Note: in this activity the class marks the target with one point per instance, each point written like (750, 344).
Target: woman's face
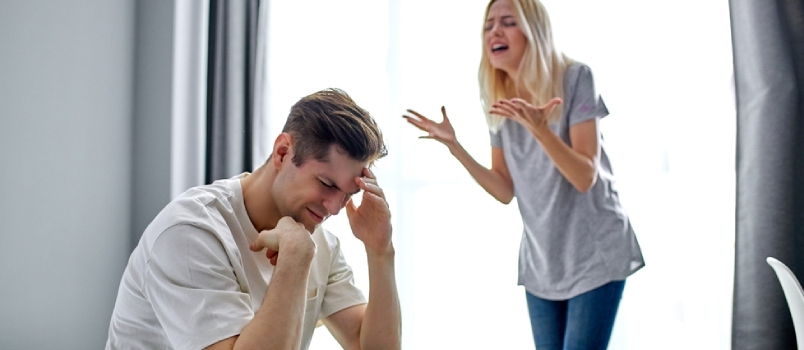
(504, 41)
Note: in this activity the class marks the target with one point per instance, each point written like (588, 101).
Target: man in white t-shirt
(243, 263)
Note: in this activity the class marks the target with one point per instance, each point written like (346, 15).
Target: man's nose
(335, 202)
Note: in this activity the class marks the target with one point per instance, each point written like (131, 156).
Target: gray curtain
(230, 87)
(768, 42)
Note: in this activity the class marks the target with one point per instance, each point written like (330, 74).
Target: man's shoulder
(199, 208)
(200, 202)
(204, 195)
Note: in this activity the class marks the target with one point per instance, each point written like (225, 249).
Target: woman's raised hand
(531, 117)
(441, 132)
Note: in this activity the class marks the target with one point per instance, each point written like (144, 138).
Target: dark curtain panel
(768, 41)
(230, 87)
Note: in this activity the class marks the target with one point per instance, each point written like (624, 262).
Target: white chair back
(794, 295)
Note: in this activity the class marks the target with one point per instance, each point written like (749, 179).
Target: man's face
(316, 190)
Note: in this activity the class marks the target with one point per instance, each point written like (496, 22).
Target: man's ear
(283, 149)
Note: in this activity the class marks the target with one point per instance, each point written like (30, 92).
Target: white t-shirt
(192, 280)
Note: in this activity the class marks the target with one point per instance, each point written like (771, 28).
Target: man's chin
(308, 224)
(310, 227)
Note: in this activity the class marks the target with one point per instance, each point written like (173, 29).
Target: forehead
(500, 7)
(338, 166)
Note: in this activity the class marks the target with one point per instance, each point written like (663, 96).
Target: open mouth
(497, 48)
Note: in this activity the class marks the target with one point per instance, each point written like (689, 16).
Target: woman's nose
(495, 29)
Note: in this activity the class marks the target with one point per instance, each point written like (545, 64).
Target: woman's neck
(521, 92)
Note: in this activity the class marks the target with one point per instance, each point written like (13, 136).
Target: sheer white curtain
(664, 71)
(188, 110)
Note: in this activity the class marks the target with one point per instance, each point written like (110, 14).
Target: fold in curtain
(768, 43)
(263, 143)
(230, 87)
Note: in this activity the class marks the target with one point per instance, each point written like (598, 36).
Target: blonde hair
(541, 69)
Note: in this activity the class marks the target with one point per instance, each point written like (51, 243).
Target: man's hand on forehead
(371, 220)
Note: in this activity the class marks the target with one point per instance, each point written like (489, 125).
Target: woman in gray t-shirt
(543, 112)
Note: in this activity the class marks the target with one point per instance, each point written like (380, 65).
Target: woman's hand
(531, 117)
(441, 132)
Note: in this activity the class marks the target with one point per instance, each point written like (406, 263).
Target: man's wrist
(387, 252)
(299, 246)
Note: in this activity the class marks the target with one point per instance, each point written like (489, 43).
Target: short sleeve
(496, 138)
(191, 285)
(586, 103)
(341, 290)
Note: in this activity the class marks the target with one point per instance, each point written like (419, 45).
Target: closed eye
(327, 185)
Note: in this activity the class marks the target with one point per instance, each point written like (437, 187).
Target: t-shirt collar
(239, 206)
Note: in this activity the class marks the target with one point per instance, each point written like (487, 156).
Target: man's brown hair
(330, 117)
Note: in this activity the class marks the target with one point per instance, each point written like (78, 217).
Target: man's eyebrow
(335, 186)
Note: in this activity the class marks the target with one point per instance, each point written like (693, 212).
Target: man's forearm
(382, 322)
(278, 322)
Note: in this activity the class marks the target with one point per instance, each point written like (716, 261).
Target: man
(233, 265)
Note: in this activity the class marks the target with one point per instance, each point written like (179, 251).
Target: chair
(794, 295)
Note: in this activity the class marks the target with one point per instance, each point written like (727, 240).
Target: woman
(542, 111)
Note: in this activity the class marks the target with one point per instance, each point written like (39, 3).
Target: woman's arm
(577, 162)
(496, 181)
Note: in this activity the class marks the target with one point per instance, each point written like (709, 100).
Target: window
(665, 75)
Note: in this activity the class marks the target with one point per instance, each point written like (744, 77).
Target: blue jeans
(581, 323)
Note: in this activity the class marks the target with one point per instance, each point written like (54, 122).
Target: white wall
(84, 127)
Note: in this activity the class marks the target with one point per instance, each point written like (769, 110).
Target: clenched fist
(288, 237)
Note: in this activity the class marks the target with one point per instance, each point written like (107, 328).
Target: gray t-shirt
(572, 242)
